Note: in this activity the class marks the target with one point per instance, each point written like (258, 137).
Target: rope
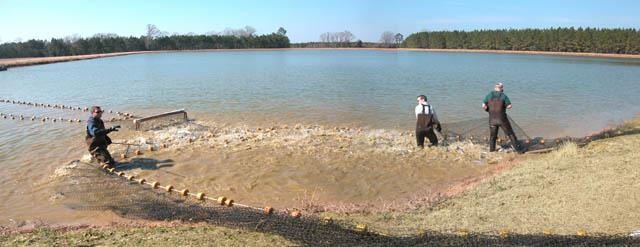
(126, 115)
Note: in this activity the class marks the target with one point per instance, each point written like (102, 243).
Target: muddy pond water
(300, 128)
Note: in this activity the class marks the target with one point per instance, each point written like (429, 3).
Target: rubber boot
(492, 144)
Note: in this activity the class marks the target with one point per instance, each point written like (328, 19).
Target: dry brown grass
(595, 188)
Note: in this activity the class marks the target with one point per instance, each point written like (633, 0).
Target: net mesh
(88, 188)
(477, 130)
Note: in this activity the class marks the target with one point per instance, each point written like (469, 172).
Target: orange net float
(138, 152)
(164, 145)
(327, 220)
(155, 185)
(184, 192)
(169, 188)
(121, 174)
(504, 233)
(104, 166)
(221, 200)
(542, 141)
(53, 120)
(123, 156)
(228, 202)
(362, 227)
(200, 196)
(33, 118)
(582, 233)
(150, 148)
(142, 181)
(527, 141)
(267, 210)
(296, 214)
(131, 177)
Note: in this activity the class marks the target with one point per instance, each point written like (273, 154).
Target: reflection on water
(234, 93)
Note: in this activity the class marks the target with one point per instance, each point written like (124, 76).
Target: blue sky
(304, 20)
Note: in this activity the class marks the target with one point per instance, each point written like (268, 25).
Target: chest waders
(424, 127)
(498, 119)
(98, 144)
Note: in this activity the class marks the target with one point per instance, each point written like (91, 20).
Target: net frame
(180, 113)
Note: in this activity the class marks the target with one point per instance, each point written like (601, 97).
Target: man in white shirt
(426, 119)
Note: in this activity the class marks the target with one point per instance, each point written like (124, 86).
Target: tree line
(596, 40)
(153, 40)
(346, 40)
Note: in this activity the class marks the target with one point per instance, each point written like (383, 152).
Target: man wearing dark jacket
(497, 103)
(97, 138)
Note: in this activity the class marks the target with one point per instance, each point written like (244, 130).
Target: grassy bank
(594, 190)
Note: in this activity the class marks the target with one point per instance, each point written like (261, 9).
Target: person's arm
(94, 130)
(418, 110)
(507, 102)
(435, 119)
(485, 101)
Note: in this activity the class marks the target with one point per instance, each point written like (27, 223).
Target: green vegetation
(154, 40)
(617, 41)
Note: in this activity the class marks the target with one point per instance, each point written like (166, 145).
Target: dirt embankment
(17, 62)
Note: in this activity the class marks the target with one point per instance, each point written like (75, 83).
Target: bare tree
(72, 38)
(399, 37)
(337, 37)
(387, 38)
(281, 31)
(152, 33)
(249, 31)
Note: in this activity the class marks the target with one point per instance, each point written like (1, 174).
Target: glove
(439, 128)
(114, 128)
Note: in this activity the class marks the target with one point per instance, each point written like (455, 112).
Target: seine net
(86, 187)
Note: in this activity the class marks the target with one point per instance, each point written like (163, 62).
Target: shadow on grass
(131, 200)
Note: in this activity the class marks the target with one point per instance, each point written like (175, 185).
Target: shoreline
(29, 61)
